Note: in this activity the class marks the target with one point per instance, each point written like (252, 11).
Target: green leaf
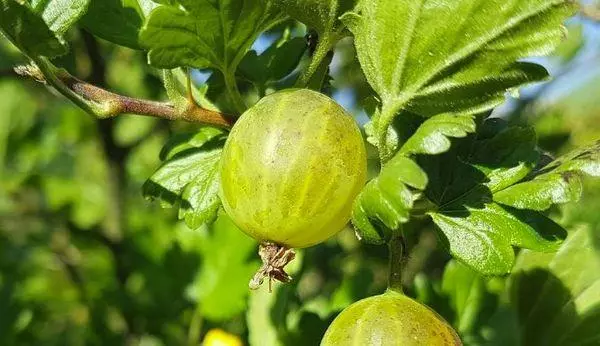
(558, 183)
(464, 185)
(275, 63)
(507, 157)
(432, 137)
(466, 290)
(432, 57)
(60, 14)
(557, 296)
(482, 236)
(221, 287)
(262, 328)
(386, 201)
(26, 30)
(205, 34)
(118, 21)
(189, 177)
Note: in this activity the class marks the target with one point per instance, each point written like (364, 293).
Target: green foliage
(275, 63)
(557, 183)
(28, 31)
(118, 21)
(221, 287)
(188, 178)
(84, 260)
(60, 14)
(566, 309)
(460, 56)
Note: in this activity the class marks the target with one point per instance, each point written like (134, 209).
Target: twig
(591, 12)
(105, 104)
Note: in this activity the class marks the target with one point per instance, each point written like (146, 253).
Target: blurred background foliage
(85, 260)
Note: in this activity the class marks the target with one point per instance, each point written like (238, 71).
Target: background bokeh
(86, 260)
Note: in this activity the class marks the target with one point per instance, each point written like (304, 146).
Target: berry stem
(396, 250)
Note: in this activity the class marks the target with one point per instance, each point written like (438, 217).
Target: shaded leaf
(28, 31)
(275, 63)
(205, 34)
(506, 157)
(557, 296)
(221, 287)
(386, 201)
(463, 186)
(118, 21)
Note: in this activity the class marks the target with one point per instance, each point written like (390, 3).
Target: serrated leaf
(386, 201)
(542, 192)
(201, 198)
(558, 183)
(432, 137)
(28, 31)
(507, 157)
(189, 177)
(275, 63)
(565, 309)
(464, 185)
(456, 55)
(60, 14)
(118, 21)
(205, 34)
(487, 252)
(494, 230)
(191, 140)
(221, 287)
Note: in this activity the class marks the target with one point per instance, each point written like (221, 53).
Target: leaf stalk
(396, 252)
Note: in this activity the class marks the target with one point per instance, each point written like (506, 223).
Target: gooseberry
(390, 319)
(291, 168)
(219, 337)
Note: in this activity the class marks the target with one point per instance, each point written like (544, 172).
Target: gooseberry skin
(390, 319)
(291, 168)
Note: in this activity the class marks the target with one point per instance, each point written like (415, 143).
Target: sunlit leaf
(60, 14)
(557, 183)
(432, 57)
(189, 177)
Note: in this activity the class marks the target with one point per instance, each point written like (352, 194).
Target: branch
(591, 12)
(105, 104)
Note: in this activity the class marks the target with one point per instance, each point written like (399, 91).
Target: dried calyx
(274, 257)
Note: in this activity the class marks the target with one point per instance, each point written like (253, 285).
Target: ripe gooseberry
(390, 319)
(291, 168)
